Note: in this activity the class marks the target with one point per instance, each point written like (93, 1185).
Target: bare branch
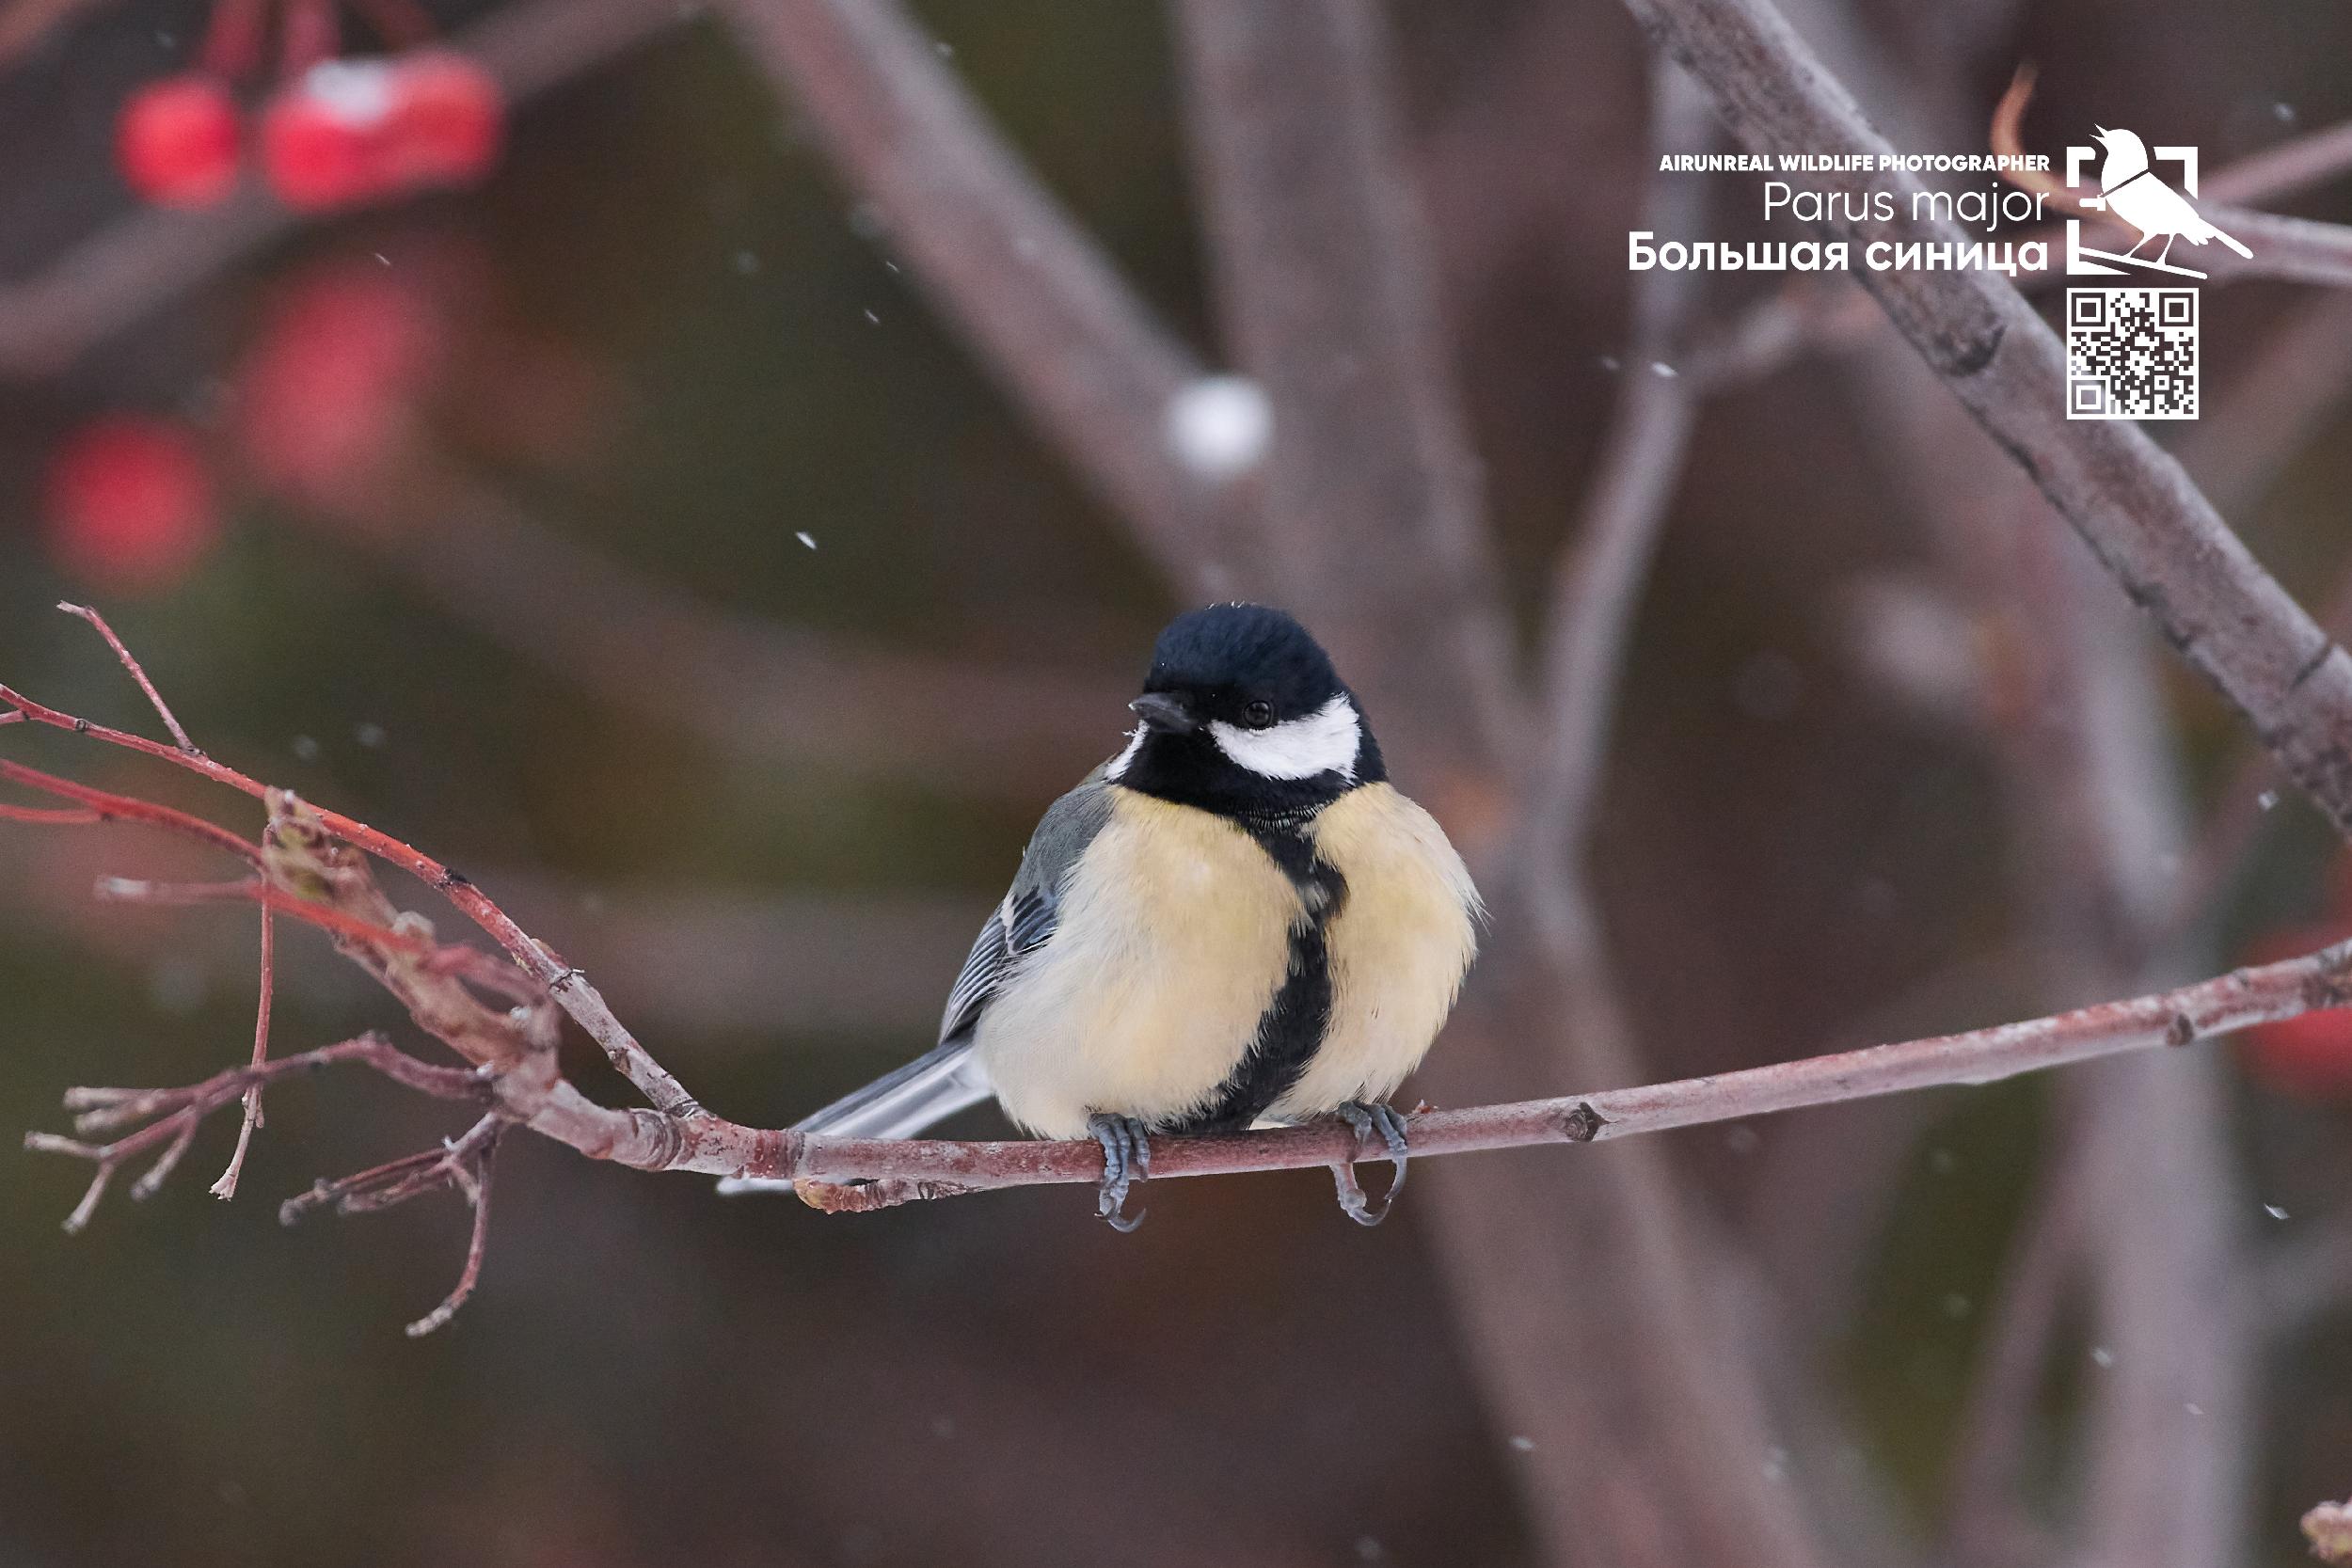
(463, 1165)
(1985, 1512)
(46, 817)
(2127, 497)
(710, 1146)
(128, 890)
(513, 1072)
(161, 709)
(1048, 315)
(1597, 582)
(226, 1187)
(167, 1118)
(97, 805)
(1325, 283)
(568, 986)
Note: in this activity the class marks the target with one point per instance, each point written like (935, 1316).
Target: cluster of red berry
(131, 501)
(335, 133)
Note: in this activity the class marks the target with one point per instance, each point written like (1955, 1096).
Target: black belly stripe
(1291, 1030)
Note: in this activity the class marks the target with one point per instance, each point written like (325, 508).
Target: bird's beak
(2099, 135)
(1166, 714)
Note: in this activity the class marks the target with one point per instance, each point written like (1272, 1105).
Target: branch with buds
(498, 1013)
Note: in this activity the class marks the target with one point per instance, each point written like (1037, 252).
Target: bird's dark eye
(1258, 715)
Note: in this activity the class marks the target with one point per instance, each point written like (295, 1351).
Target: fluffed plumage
(1236, 918)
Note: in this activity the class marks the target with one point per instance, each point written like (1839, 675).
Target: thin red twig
(171, 1117)
(461, 1165)
(472, 1179)
(129, 889)
(568, 986)
(163, 708)
(100, 806)
(43, 816)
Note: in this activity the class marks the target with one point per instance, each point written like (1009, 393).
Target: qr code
(2131, 353)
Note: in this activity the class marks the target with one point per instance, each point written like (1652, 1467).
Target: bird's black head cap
(1244, 715)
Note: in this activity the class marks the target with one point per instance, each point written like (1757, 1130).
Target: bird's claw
(1127, 1160)
(1364, 1117)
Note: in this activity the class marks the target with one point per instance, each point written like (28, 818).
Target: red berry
(176, 141)
(326, 393)
(321, 137)
(447, 122)
(353, 131)
(129, 504)
(2309, 1056)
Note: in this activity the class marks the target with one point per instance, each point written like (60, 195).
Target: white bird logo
(2129, 187)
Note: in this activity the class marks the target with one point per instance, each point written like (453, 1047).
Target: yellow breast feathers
(1400, 944)
(1174, 935)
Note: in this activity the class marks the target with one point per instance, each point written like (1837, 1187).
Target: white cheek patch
(1119, 764)
(1325, 741)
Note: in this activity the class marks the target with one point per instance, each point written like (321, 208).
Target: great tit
(1234, 919)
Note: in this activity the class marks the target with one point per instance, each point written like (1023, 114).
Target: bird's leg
(2168, 248)
(1364, 1116)
(2142, 239)
(1127, 1160)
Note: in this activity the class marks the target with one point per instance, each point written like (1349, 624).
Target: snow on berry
(353, 130)
(320, 135)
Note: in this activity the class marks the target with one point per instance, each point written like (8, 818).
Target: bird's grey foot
(1364, 1116)
(1127, 1160)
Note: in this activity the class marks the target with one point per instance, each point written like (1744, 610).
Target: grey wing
(1025, 919)
(937, 1084)
(1020, 924)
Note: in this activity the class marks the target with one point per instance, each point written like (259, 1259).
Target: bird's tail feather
(2232, 244)
(901, 1104)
